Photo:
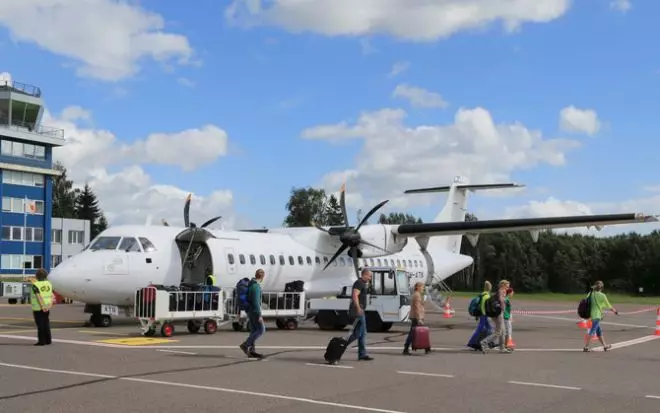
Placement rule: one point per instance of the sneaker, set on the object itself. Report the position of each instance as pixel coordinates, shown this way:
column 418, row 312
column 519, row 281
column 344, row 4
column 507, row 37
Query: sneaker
column 254, row 355
column 484, row 346
column 244, row 348
column 406, row 352
column 505, row 350
column 365, row 358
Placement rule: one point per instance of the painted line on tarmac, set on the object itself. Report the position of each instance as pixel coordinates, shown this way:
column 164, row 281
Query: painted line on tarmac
column 104, row 333
column 629, row 343
column 552, row 386
column 418, row 373
column 329, row 365
column 574, row 321
column 650, row 396
column 198, row 387
column 177, row 352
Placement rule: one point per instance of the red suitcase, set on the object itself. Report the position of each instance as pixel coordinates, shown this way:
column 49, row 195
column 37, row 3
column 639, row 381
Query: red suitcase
column 421, row 338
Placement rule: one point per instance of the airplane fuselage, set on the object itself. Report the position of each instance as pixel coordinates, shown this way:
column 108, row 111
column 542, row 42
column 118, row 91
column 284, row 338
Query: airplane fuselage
column 125, row 258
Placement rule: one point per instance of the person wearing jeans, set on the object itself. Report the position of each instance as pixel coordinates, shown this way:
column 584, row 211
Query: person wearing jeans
column 256, row 321
column 356, row 311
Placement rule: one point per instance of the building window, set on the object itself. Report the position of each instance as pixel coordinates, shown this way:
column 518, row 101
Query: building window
column 23, row 150
column 22, row 178
column 28, row 234
column 17, row 205
column 55, row 260
column 18, row 262
column 76, row 237
column 56, row 236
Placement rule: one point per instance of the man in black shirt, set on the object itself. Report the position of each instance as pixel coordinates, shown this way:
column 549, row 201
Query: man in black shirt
column 356, row 312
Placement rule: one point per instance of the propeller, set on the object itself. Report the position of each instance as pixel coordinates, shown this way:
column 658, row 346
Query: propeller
column 186, row 215
column 350, row 236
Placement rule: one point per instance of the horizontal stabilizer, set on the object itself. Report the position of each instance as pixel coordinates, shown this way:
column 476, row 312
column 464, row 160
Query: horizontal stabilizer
column 480, row 187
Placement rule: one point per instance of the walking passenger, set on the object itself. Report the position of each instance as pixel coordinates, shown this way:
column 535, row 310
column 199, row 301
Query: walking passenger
column 483, row 326
column 599, row 302
column 356, row 312
column 416, row 314
column 498, row 320
column 41, row 297
column 508, row 333
column 256, row 321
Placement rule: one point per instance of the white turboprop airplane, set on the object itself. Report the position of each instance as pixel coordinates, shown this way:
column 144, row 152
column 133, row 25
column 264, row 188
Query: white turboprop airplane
column 125, row 258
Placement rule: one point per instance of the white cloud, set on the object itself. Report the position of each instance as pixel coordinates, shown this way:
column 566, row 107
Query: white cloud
column 398, row 68
column 185, row 82
column 572, row 119
column 419, row 97
column 413, row 20
column 5, row 77
column 105, row 38
column 621, row 5
column 126, row 193
column 396, row 156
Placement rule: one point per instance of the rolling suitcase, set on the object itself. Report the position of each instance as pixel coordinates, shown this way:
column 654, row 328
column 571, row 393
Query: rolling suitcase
column 337, row 346
column 421, row 338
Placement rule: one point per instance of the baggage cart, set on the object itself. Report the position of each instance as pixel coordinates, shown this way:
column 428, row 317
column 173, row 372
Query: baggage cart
column 163, row 306
column 286, row 308
column 14, row 291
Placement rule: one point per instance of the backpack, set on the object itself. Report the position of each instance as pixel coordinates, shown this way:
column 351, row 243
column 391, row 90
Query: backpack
column 493, row 306
column 584, row 308
column 241, row 294
column 475, row 306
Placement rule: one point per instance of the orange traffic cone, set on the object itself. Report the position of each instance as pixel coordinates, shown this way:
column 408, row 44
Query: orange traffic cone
column 510, row 343
column 448, row 312
column 582, row 324
column 657, row 322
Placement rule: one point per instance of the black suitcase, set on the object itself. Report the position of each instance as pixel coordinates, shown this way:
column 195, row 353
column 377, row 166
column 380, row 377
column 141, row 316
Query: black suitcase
column 335, row 350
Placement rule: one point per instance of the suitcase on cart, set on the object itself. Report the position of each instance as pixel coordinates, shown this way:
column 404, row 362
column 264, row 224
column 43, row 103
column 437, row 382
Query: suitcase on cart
column 421, row 338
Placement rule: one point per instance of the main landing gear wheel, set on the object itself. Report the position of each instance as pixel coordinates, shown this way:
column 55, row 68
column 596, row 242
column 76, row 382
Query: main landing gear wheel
column 101, row 320
column 210, row 326
column 167, row 330
column 194, row 326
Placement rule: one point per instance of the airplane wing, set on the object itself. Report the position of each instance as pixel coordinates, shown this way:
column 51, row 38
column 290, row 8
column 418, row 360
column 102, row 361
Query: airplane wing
column 520, row 224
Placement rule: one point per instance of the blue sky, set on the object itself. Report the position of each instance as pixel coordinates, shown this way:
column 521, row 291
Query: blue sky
column 257, row 78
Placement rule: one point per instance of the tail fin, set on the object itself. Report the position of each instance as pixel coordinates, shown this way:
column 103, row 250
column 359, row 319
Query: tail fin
column 455, row 208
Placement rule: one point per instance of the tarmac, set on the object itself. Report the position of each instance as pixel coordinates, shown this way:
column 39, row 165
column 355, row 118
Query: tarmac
column 116, row 369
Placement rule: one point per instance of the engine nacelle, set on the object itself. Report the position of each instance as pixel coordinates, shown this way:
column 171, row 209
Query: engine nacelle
column 382, row 236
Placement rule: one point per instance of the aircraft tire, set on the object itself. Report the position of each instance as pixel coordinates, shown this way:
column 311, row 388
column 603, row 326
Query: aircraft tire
column 101, row 320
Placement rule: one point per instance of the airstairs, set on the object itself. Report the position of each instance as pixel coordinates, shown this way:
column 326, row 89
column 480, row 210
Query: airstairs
column 439, row 294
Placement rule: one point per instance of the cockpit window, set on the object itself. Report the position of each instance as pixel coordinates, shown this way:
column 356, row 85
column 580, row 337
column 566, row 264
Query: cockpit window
column 105, row 243
column 147, row 246
column 129, row 244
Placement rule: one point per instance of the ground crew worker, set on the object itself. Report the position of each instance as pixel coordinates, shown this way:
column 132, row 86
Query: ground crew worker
column 41, row 298
column 210, row 278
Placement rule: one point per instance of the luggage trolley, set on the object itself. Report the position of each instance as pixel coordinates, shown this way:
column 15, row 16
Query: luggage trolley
column 162, row 306
column 286, row 308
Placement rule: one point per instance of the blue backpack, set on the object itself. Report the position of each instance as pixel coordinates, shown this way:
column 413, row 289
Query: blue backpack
column 475, row 306
column 241, row 294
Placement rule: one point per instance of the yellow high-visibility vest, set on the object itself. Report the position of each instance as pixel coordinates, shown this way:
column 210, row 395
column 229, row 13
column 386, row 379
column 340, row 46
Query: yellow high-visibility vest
column 45, row 291
column 213, row 279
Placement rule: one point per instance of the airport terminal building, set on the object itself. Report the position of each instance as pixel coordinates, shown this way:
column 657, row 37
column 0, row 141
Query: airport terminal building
column 26, row 167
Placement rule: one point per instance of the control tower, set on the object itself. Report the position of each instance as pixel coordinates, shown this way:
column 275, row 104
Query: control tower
column 26, row 168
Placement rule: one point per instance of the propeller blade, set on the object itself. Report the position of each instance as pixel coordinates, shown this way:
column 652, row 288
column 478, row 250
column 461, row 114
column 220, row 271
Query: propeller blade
column 374, row 246
column 342, row 202
column 370, row 213
column 186, row 210
column 334, row 257
column 354, row 254
column 210, row 221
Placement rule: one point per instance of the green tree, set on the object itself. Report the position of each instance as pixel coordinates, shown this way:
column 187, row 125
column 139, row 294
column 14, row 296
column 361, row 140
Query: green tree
column 306, row 207
column 64, row 196
column 333, row 213
column 398, row 218
column 87, row 207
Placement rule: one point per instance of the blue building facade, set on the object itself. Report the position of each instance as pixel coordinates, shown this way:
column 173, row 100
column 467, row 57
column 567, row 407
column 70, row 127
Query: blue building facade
column 26, row 172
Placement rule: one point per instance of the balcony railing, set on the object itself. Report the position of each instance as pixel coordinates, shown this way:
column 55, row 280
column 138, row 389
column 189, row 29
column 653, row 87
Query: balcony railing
column 32, row 127
column 19, row 87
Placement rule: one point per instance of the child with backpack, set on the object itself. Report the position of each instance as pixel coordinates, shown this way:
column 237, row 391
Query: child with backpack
column 493, row 307
column 477, row 310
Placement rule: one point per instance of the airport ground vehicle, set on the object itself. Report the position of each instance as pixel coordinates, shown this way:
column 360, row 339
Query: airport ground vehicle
column 15, row 291
column 388, row 302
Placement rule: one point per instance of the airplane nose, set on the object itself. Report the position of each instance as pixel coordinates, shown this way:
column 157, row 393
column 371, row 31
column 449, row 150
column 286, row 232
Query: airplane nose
column 62, row 280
